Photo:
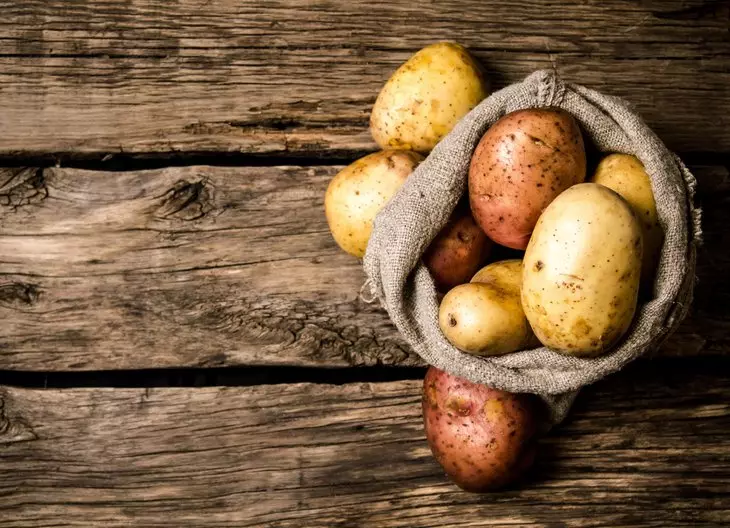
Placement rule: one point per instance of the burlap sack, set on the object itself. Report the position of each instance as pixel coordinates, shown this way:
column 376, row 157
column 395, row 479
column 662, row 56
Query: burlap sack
column 407, row 224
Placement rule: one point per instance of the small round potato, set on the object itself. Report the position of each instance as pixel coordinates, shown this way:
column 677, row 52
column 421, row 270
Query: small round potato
column 520, row 165
column 358, row 192
column 458, row 251
column 626, row 175
column 482, row 437
column 426, row 97
column 485, row 317
column 581, row 271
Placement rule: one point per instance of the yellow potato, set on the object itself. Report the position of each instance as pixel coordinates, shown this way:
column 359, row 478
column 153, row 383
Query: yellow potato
column 485, row 317
column 359, row 191
column 505, row 275
column 626, row 175
column 581, row 271
column 426, row 97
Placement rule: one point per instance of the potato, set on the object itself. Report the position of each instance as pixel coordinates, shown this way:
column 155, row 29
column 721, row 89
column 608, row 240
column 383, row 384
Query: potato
column 626, row 175
column 426, row 97
column 581, row 271
column 482, row 437
column 458, row 251
column 505, row 275
column 359, row 191
column 485, row 317
column 520, row 165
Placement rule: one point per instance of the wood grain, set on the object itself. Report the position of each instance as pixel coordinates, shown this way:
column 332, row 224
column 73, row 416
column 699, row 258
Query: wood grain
column 220, row 266
column 645, row 448
column 299, row 77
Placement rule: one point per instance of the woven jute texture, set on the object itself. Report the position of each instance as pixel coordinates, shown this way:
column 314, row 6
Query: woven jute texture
column 408, row 223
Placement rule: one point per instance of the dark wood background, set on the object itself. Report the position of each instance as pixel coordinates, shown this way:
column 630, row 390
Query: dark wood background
column 181, row 341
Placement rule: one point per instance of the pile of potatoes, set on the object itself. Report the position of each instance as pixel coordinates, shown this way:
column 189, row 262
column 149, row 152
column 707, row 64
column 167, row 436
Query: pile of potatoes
column 579, row 249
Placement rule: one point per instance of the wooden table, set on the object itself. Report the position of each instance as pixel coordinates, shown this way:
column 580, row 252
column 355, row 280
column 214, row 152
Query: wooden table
column 164, row 166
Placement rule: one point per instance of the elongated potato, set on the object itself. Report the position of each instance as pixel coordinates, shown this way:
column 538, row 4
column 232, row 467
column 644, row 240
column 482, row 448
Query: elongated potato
column 426, row 97
column 581, row 271
column 358, row 192
column 626, row 175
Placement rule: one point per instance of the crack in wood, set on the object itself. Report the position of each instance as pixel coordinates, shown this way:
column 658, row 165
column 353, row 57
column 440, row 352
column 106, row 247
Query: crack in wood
column 278, row 124
column 719, row 10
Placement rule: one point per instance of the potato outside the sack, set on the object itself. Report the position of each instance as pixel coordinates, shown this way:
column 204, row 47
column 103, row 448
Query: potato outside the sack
column 485, row 317
column 358, row 192
column 426, row 97
column 482, row 437
column 626, row 175
column 458, row 251
column 520, row 165
column 581, row 271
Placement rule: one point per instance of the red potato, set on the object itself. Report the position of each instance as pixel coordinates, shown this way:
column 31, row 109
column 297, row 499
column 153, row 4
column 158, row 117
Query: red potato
column 482, row 437
column 520, row 165
column 457, row 252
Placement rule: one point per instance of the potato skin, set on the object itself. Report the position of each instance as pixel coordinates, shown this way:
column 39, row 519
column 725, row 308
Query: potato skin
column 581, row 271
column 482, row 437
column 358, row 192
column 457, row 252
column 426, row 97
column 485, row 317
column 520, row 165
column 625, row 174
column 505, row 275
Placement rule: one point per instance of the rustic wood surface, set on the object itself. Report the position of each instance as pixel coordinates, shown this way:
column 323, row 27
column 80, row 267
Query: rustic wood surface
column 217, row 266
column 645, row 448
column 299, row 77
column 199, row 266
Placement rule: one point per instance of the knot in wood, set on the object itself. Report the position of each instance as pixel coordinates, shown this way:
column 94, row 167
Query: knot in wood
column 13, row 430
column 19, row 294
column 186, row 201
column 21, row 186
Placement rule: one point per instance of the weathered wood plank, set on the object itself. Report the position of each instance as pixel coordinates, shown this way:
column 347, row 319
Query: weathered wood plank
column 645, row 448
column 299, row 77
column 217, row 266
column 194, row 266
